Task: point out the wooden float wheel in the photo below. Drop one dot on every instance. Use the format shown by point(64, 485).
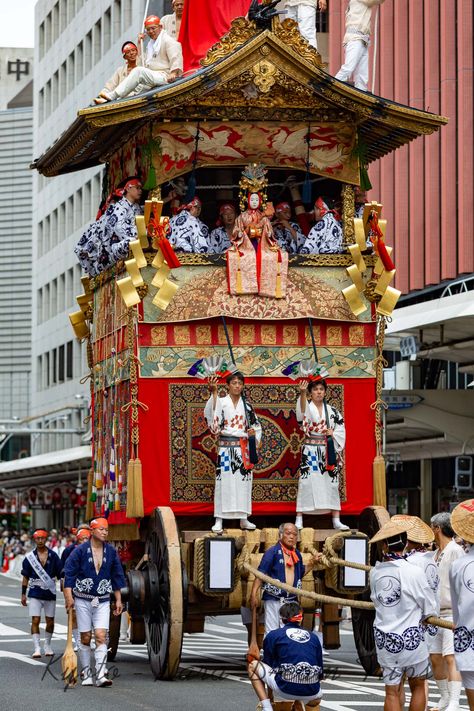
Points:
point(164, 580)
point(114, 634)
point(371, 520)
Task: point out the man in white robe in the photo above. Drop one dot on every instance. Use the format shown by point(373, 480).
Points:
point(461, 578)
point(304, 13)
point(187, 232)
point(318, 483)
point(402, 599)
point(172, 23)
point(234, 420)
point(446, 675)
point(130, 55)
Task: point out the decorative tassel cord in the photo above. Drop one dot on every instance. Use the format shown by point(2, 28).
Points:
point(380, 363)
point(329, 599)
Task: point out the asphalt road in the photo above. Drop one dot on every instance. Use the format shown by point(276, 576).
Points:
point(212, 673)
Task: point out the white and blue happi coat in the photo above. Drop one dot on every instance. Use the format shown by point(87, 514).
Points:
point(188, 233)
point(233, 489)
point(296, 657)
point(325, 237)
point(273, 565)
point(106, 241)
point(461, 579)
point(36, 587)
point(219, 241)
point(81, 576)
point(285, 239)
point(402, 599)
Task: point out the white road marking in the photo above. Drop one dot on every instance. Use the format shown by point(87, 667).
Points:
point(5, 631)
point(21, 658)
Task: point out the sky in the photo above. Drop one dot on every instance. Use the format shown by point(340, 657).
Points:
point(17, 23)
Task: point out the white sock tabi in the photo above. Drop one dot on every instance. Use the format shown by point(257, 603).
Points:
point(85, 658)
point(36, 642)
point(454, 688)
point(442, 685)
point(100, 655)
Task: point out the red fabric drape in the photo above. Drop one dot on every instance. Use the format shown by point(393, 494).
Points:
point(204, 23)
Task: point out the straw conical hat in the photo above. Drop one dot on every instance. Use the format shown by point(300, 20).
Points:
point(419, 531)
point(390, 529)
point(462, 520)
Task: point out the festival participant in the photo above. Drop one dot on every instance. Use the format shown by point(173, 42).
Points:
point(234, 420)
point(325, 237)
point(287, 233)
point(187, 232)
point(318, 483)
point(356, 43)
point(220, 238)
point(304, 13)
point(176, 194)
point(130, 54)
point(163, 64)
point(106, 240)
point(93, 571)
point(82, 534)
point(293, 663)
point(462, 597)
point(282, 562)
point(39, 568)
point(255, 262)
point(402, 599)
point(446, 675)
point(172, 23)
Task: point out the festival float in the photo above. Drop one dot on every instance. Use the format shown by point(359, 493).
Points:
point(261, 98)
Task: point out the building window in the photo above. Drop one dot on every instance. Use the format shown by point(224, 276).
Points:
point(39, 373)
point(78, 210)
point(87, 201)
point(41, 106)
point(70, 216)
point(47, 99)
point(47, 370)
point(107, 30)
point(39, 306)
point(61, 293)
point(88, 53)
point(55, 28)
point(97, 41)
point(79, 62)
point(54, 228)
point(127, 14)
point(63, 18)
point(40, 239)
point(69, 287)
point(47, 32)
point(70, 360)
point(62, 222)
point(41, 40)
point(54, 297)
point(54, 374)
point(47, 234)
point(61, 364)
point(117, 18)
point(70, 73)
point(46, 303)
point(62, 82)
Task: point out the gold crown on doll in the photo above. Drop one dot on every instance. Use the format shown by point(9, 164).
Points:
point(253, 180)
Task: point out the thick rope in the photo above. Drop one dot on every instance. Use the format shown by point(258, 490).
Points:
point(329, 599)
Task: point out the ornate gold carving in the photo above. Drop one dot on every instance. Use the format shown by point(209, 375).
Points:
point(241, 30)
point(348, 213)
point(159, 336)
point(221, 337)
point(203, 335)
point(356, 335)
point(268, 333)
point(264, 75)
point(288, 32)
point(182, 336)
point(142, 290)
point(317, 335)
point(290, 335)
point(246, 334)
point(334, 336)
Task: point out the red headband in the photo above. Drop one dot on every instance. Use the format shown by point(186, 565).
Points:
point(296, 618)
point(323, 208)
point(99, 523)
point(195, 202)
point(127, 46)
point(283, 206)
point(83, 533)
point(152, 20)
point(134, 183)
point(40, 533)
point(226, 206)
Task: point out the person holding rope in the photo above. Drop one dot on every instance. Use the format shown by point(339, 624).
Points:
point(39, 568)
point(282, 562)
point(293, 663)
point(325, 436)
point(234, 420)
point(403, 599)
point(461, 579)
point(93, 571)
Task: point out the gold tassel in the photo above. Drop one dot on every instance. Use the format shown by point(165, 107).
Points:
point(278, 292)
point(89, 505)
point(130, 489)
point(138, 489)
point(380, 491)
point(123, 532)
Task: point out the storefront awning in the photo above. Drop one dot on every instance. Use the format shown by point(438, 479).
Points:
point(52, 467)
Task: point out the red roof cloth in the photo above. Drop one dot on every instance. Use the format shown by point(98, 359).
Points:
point(203, 24)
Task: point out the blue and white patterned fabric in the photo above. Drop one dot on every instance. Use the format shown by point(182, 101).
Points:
point(285, 239)
point(53, 568)
point(188, 233)
point(461, 579)
point(403, 599)
point(325, 237)
point(81, 576)
point(219, 241)
point(296, 658)
point(273, 564)
point(106, 241)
